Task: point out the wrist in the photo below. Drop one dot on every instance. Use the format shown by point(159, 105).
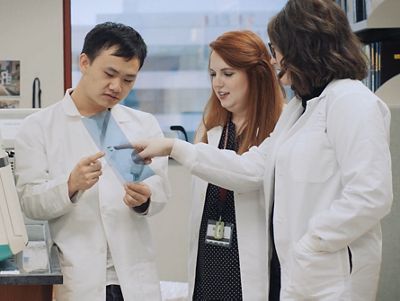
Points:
point(143, 208)
point(72, 190)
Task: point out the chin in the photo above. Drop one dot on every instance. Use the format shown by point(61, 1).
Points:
point(285, 82)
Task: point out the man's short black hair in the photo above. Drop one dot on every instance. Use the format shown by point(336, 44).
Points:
point(103, 36)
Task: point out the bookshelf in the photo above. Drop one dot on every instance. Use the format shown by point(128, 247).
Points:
point(377, 24)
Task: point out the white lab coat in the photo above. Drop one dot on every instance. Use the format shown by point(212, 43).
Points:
point(329, 173)
point(48, 146)
point(251, 234)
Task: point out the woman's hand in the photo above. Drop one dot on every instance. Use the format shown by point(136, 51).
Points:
point(150, 148)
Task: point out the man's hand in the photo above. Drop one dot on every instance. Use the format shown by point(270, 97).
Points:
point(85, 174)
point(136, 194)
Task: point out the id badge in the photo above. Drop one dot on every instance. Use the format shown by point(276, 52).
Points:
point(219, 233)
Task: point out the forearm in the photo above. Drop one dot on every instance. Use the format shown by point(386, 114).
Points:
point(45, 201)
point(224, 168)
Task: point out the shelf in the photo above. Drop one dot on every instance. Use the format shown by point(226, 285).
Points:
point(378, 34)
point(389, 91)
point(385, 15)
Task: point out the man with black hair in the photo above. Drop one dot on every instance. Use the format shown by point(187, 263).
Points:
point(97, 221)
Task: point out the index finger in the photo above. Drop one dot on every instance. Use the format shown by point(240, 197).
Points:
point(93, 158)
point(139, 146)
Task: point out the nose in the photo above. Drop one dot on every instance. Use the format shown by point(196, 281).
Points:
point(218, 82)
point(273, 61)
point(115, 85)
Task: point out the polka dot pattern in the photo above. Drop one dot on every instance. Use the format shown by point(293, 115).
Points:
point(218, 268)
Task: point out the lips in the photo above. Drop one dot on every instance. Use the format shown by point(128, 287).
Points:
point(222, 94)
point(111, 96)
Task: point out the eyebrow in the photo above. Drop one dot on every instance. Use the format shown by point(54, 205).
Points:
point(111, 69)
point(224, 69)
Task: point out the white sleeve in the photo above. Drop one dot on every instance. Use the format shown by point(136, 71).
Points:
point(41, 197)
point(358, 128)
point(225, 168)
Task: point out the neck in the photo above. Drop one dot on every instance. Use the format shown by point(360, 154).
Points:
point(239, 120)
point(84, 105)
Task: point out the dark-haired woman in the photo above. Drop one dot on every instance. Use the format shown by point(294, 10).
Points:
point(326, 168)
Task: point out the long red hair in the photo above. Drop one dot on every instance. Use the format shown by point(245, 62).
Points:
point(244, 50)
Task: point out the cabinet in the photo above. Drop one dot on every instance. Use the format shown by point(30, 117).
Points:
point(381, 23)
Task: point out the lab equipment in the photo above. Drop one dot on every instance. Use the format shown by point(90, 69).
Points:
point(13, 236)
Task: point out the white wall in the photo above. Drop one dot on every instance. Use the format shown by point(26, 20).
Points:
point(32, 32)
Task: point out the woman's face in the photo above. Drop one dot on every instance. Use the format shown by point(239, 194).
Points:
point(229, 84)
point(276, 58)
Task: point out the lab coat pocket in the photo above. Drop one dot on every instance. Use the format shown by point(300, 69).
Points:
point(318, 275)
point(312, 157)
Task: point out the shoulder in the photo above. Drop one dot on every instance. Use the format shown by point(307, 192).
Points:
point(212, 134)
point(353, 96)
point(44, 115)
point(200, 132)
point(351, 92)
point(347, 88)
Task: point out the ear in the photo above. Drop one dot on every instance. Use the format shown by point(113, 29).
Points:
point(84, 62)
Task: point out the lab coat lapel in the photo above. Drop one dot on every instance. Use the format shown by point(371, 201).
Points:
point(290, 122)
point(299, 121)
point(125, 121)
point(214, 135)
point(289, 116)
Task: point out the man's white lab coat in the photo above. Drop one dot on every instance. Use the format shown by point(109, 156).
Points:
point(50, 143)
point(328, 172)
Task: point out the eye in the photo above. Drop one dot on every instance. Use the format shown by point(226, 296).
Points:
point(128, 81)
point(212, 73)
point(228, 74)
point(108, 74)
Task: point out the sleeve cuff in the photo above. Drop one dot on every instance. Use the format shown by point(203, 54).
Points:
point(142, 209)
point(184, 153)
point(75, 198)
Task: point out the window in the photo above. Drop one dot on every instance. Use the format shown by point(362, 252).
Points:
point(173, 84)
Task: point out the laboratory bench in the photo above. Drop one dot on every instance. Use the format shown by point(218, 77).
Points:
point(31, 274)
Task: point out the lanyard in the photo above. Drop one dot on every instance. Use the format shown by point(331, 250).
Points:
point(222, 192)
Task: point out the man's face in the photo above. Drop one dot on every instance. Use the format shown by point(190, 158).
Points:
point(107, 79)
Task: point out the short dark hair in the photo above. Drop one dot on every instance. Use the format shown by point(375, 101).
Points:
point(317, 44)
point(106, 35)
